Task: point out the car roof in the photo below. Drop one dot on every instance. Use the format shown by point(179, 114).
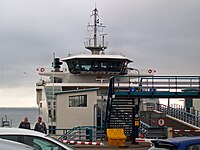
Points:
point(20, 131)
point(177, 140)
point(183, 139)
point(14, 131)
point(10, 145)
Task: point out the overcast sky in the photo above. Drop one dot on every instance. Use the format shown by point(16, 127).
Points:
point(159, 34)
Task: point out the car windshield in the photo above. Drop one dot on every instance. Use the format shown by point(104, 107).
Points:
point(39, 143)
point(60, 143)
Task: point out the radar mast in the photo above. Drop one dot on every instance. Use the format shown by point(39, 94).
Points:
point(93, 44)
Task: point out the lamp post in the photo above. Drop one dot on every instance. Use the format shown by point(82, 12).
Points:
point(138, 73)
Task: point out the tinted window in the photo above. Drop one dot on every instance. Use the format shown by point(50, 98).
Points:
point(108, 65)
point(78, 101)
point(11, 137)
point(36, 142)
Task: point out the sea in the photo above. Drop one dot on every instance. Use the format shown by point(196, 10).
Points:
point(15, 115)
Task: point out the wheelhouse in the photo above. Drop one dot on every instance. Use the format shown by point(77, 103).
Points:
point(99, 64)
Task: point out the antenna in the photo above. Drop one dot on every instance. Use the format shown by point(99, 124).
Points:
point(93, 44)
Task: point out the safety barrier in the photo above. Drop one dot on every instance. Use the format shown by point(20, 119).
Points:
point(82, 133)
point(184, 131)
point(140, 140)
point(116, 137)
point(81, 142)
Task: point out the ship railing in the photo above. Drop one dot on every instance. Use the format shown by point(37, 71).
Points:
point(90, 43)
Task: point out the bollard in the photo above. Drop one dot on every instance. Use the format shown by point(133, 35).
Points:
point(169, 133)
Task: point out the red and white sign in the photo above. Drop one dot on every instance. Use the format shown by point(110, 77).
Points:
point(161, 122)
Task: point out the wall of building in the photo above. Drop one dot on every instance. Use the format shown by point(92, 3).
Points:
point(69, 117)
point(42, 104)
point(196, 104)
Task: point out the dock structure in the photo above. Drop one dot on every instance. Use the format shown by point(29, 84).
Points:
point(126, 93)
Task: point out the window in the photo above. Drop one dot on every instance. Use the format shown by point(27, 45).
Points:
point(11, 137)
point(96, 64)
point(36, 142)
point(78, 101)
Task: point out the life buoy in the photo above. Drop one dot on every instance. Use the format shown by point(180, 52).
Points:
point(42, 69)
point(149, 71)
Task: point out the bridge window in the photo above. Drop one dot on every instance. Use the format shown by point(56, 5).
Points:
point(78, 101)
point(93, 65)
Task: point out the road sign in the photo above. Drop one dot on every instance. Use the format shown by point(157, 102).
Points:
point(136, 115)
point(161, 122)
point(137, 123)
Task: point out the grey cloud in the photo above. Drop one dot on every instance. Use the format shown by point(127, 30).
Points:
point(161, 34)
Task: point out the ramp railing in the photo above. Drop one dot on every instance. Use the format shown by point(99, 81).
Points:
point(181, 114)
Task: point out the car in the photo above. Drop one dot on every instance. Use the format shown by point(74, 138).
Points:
point(178, 143)
point(35, 139)
point(10, 145)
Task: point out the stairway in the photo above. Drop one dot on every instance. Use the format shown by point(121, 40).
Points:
point(121, 114)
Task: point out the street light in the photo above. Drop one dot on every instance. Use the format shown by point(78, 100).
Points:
point(138, 72)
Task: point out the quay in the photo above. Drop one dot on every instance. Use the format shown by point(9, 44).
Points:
point(128, 145)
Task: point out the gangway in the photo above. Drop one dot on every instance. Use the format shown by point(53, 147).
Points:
point(125, 93)
point(180, 114)
point(156, 86)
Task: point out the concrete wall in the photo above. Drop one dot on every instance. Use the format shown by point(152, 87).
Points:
point(69, 117)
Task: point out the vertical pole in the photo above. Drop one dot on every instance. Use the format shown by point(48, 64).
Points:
point(95, 118)
point(137, 108)
point(95, 27)
point(53, 94)
point(101, 122)
point(53, 74)
point(133, 123)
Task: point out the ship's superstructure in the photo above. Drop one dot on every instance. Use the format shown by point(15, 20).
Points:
point(75, 86)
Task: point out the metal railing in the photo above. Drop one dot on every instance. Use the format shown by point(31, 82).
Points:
point(82, 133)
point(181, 114)
point(164, 86)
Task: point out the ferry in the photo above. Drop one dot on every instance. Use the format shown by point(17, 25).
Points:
point(76, 95)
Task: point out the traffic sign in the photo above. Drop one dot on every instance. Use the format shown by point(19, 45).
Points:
point(136, 115)
point(161, 122)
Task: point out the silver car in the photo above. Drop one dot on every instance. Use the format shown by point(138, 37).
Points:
point(10, 145)
point(34, 139)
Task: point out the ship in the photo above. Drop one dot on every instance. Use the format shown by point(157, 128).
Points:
point(76, 95)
